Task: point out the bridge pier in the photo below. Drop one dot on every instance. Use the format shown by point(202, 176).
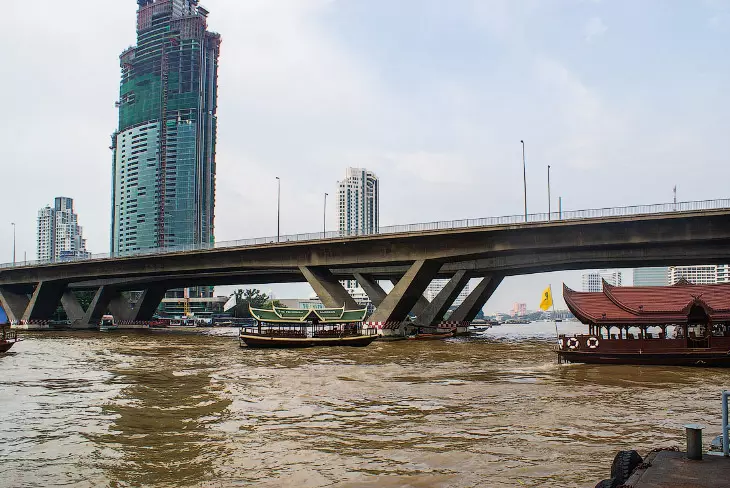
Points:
point(407, 292)
point(14, 303)
point(44, 301)
point(99, 305)
point(148, 302)
point(329, 290)
point(371, 287)
point(434, 313)
point(72, 307)
point(467, 311)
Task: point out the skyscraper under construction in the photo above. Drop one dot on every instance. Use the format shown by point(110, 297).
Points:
point(163, 192)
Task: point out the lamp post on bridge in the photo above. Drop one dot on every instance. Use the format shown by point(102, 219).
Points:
point(13, 224)
point(549, 214)
point(324, 218)
point(278, 208)
point(524, 176)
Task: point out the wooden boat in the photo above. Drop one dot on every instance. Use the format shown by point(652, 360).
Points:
point(8, 338)
point(301, 328)
point(679, 325)
point(431, 336)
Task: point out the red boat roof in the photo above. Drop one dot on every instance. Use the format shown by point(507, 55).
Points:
point(649, 305)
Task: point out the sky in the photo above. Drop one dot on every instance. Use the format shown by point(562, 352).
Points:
point(624, 99)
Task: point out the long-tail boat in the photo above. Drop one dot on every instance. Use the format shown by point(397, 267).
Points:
point(299, 328)
point(682, 324)
point(8, 338)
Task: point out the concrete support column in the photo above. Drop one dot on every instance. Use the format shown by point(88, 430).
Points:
point(148, 303)
point(467, 311)
point(420, 305)
point(44, 301)
point(434, 313)
point(372, 288)
point(121, 308)
point(14, 304)
point(327, 288)
point(407, 292)
point(74, 311)
point(99, 305)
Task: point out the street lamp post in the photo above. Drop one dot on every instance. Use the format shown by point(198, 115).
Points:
point(324, 218)
point(549, 215)
point(524, 176)
point(278, 209)
point(13, 224)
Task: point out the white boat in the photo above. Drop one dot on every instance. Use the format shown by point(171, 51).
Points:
point(107, 323)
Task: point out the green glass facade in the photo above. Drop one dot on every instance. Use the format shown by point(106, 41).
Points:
point(164, 148)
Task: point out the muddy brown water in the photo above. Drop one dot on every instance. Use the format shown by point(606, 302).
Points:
point(180, 408)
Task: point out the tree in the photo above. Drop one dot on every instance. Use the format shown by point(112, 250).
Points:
point(248, 297)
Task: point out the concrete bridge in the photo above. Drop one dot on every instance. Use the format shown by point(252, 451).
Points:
point(409, 256)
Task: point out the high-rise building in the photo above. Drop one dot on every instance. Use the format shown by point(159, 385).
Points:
point(651, 276)
point(359, 202)
point(697, 275)
point(593, 281)
point(358, 206)
point(163, 167)
point(435, 287)
point(519, 309)
point(59, 235)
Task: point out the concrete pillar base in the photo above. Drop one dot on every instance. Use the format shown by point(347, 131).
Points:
point(44, 301)
point(15, 304)
point(434, 313)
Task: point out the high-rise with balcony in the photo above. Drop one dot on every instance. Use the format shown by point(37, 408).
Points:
point(163, 169)
point(60, 236)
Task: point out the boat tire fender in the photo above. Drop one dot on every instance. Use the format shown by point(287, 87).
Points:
point(624, 464)
point(609, 483)
point(592, 343)
point(573, 344)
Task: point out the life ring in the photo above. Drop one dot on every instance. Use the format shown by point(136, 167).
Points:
point(573, 343)
point(592, 343)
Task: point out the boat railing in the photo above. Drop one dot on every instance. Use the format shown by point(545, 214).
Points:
point(9, 335)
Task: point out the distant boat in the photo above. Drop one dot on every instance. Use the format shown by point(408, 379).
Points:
point(8, 338)
point(107, 323)
point(430, 336)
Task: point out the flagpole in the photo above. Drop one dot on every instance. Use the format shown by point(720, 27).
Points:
point(557, 335)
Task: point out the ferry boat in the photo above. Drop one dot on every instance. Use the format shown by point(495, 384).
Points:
point(107, 323)
point(680, 325)
point(300, 328)
point(8, 338)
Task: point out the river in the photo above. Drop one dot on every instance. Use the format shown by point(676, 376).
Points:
point(190, 408)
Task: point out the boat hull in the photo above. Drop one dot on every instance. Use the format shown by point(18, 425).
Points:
point(6, 345)
point(690, 358)
point(431, 337)
point(262, 342)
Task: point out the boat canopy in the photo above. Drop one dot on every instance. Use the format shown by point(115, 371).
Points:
point(651, 305)
point(301, 315)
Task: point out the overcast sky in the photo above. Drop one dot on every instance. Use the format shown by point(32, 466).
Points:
point(623, 98)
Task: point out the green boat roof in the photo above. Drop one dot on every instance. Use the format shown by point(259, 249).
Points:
point(301, 315)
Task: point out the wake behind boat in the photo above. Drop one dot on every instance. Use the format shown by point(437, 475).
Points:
point(301, 328)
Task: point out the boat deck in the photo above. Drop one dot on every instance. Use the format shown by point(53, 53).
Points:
point(673, 469)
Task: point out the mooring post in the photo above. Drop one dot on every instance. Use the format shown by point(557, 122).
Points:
point(694, 441)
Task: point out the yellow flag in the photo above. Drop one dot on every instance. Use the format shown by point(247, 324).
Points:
point(547, 299)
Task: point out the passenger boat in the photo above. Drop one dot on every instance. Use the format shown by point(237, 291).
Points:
point(680, 325)
point(8, 338)
point(300, 328)
point(107, 323)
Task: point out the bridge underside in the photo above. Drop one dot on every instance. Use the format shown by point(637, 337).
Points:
point(410, 262)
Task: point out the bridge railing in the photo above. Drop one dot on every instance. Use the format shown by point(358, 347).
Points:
point(636, 210)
